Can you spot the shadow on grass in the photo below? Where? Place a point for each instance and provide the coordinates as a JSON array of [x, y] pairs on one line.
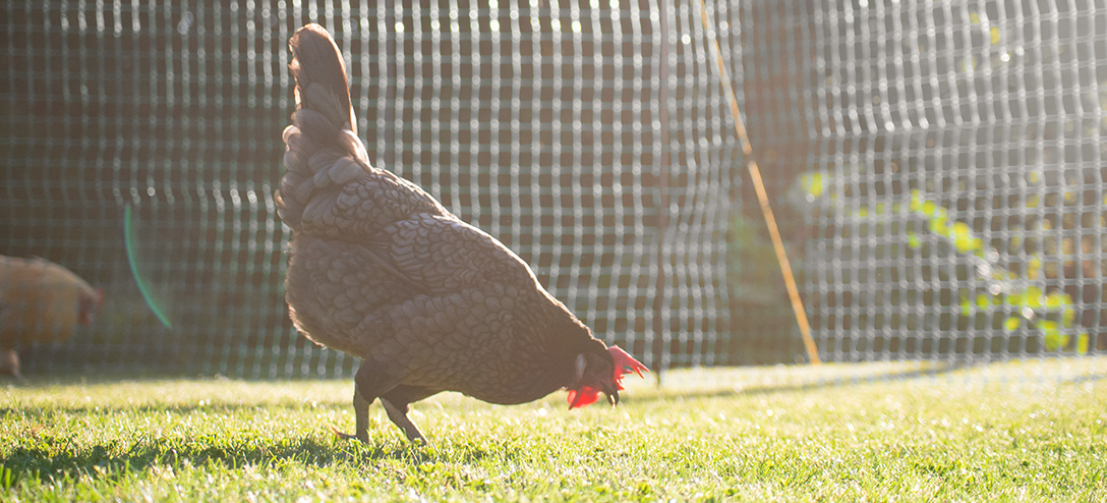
[[814, 383], [44, 380], [173, 409], [940, 369], [1086, 378], [61, 457]]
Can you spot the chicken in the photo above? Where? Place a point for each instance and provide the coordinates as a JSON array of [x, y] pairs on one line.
[[382, 271], [40, 301]]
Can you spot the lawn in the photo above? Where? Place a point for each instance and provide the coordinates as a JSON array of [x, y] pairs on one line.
[[1021, 431]]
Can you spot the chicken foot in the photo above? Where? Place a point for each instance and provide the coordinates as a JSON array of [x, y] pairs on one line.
[[368, 385], [399, 418], [397, 403], [361, 414]]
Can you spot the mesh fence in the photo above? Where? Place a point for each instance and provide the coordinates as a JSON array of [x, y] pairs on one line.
[[957, 181], [557, 127], [935, 167]]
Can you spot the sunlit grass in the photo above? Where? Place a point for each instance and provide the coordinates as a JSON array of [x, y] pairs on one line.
[[1023, 431]]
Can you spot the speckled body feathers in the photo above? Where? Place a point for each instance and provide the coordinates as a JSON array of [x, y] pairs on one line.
[[381, 270]]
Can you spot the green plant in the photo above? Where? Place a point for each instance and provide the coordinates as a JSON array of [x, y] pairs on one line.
[[1052, 314]]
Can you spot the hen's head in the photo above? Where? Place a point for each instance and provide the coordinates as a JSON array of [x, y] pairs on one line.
[[601, 371]]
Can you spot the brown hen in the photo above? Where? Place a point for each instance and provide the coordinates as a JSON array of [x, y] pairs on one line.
[[40, 302], [380, 270]]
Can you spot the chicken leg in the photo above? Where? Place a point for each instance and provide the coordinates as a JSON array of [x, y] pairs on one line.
[[370, 382], [397, 403]]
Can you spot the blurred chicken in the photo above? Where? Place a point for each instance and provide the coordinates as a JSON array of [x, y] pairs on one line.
[[380, 270], [40, 301]]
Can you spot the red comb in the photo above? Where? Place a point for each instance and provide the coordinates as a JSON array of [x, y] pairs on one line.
[[625, 364]]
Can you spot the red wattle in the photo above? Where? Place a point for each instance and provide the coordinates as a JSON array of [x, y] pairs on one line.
[[582, 398]]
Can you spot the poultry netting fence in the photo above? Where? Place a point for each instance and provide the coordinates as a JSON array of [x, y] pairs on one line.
[[936, 168]]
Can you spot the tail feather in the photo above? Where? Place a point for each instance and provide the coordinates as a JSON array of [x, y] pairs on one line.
[[320, 74], [324, 151], [315, 125]]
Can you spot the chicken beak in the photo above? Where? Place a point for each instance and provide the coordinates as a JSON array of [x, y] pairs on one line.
[[612, 396]]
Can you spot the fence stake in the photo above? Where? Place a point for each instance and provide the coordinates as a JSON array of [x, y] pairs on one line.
[[762, 196]]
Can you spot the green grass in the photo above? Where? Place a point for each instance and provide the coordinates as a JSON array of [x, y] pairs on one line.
[[1031, 431]]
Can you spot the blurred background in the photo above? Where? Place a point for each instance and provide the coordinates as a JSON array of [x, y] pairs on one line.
[[937, 169]]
